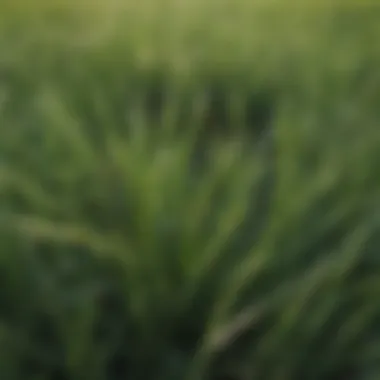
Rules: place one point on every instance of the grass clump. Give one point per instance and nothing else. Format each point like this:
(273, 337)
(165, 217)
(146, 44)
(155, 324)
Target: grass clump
(189, 190)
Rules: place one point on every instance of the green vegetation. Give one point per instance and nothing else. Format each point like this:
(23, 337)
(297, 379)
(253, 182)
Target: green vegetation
(189, 190)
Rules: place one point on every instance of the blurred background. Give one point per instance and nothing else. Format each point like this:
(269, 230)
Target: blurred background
(189, 190)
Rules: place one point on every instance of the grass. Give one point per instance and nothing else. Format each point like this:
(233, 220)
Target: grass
(189, 190)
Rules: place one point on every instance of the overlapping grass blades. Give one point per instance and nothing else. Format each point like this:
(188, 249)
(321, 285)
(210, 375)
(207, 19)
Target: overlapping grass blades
(189, 190)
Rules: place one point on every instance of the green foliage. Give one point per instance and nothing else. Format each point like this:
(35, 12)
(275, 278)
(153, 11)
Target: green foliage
(189, 190)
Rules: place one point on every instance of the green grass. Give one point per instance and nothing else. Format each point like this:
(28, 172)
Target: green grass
(189, 190)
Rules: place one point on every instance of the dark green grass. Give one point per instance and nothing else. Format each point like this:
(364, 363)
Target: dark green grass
(189, 191)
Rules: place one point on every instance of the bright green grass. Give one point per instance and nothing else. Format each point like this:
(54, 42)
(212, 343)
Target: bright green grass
(146, 231)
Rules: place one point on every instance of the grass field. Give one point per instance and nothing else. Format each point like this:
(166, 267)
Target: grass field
(189, 190)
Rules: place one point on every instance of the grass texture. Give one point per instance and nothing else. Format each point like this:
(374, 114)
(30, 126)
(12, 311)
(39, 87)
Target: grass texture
(189, 190)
